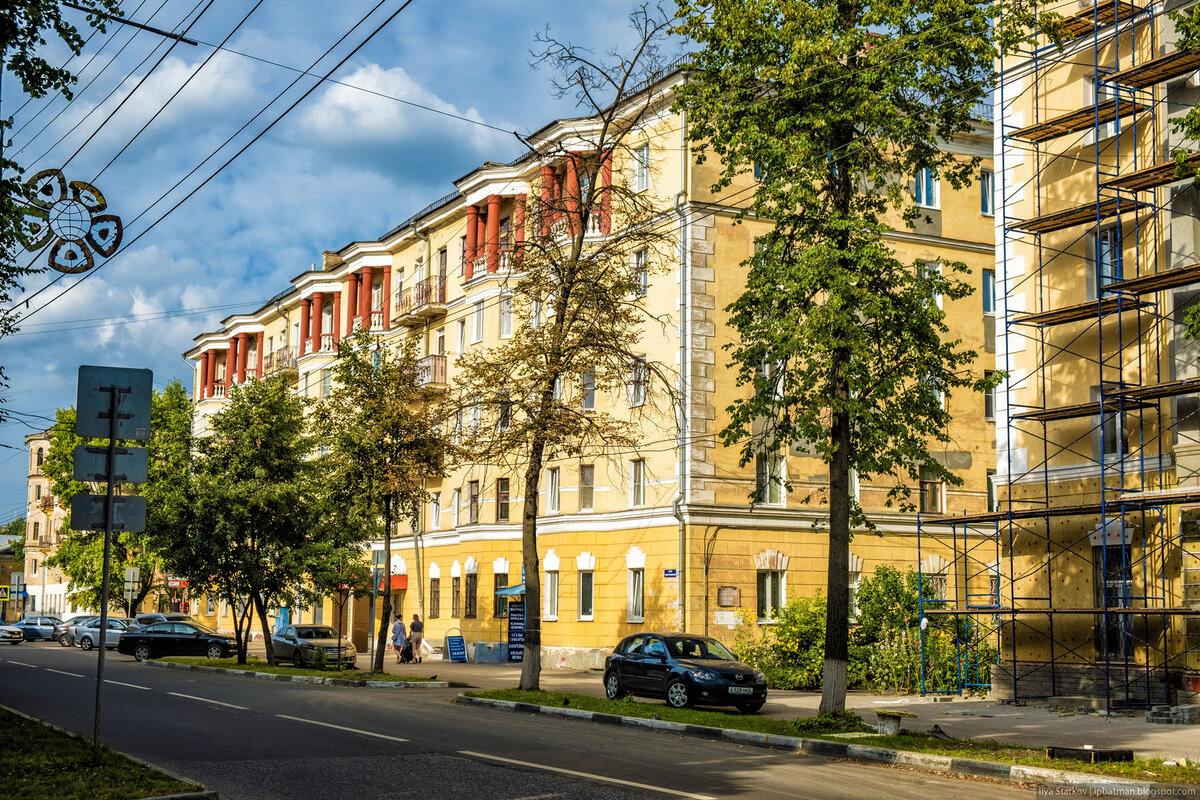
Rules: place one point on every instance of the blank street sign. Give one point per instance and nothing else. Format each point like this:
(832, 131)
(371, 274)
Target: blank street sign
(94, 401)
(87, 513)
(130, 464)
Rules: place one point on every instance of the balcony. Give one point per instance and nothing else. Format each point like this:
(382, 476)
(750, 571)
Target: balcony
(376, 320)
(327, 343)
(423, 300)
(283, 358)
(47, 503)
(431, 372)
(218, 389)
(251, 373)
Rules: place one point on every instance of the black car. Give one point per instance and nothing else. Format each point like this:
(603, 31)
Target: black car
(683, 669)
(175, 639)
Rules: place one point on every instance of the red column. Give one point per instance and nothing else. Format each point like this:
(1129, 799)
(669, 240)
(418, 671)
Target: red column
(493, 233)
(518, 228)
(387, 296)
(572, 192)
(547, 199)
(305, 324)
(364, 296)
(243, 354)
(606, 198)
(231, 363)
(337, 318)
(472, 241)
(261, 344)
(203, 380)
(318, 318)
(481, 235)
(351, 300)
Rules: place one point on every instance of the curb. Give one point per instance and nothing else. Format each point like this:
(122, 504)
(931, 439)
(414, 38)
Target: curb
(270, 676)
(200, 794)
(949, 765)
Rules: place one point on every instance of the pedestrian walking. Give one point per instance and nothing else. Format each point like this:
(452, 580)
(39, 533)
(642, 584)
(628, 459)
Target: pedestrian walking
(398, 636)
(416, 631)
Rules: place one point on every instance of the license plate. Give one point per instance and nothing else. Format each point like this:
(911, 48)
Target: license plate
(741, 690)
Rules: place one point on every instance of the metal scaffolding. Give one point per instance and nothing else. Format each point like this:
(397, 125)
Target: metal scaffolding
(1087, 575)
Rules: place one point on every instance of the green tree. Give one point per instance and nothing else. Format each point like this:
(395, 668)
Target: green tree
(16, 532)
(378, 427)
(246, 528)
(836, 104)
(81, 554)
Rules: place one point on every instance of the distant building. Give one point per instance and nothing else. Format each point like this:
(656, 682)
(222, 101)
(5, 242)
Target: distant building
(46, 587)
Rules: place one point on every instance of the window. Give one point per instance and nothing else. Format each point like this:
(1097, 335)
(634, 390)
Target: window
(1112, 432)
(456, 499)
(462, 336)
(455, 597)
(37, 492)
(637, 382)
(326, 382)
(505, 317)
(989, 397)
(435, 596)
(505, 234)
(37, 529)
(991, 490)
(435, 511)
(587, 390)
(477, 329)
(989, 291)
(1108, 256)
(33, 564)
(462, 262)
(1113, 579)
(987, 187)
(1091, 96)
(502, 500)
(931, 491)
(470, 598)
(587, 486)
(932, 271)
(41, 456)
(550, 595)
(641, 273)
(210, 606)
(318, 609)
(637, 482)
(926, 191)
(439, 342)
(758, 172)
(936, 585)
(768, 478)
(473, 502)
(556, 390)
(586, 598)
(641, 168)
(852, 584)
(770, 593)
(637, 595)
(499, 603)
(552, 490)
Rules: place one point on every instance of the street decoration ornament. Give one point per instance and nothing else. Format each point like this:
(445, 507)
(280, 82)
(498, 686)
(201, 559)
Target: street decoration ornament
(69, 215)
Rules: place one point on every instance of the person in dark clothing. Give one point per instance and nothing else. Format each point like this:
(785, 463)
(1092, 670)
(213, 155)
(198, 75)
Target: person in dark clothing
(416, 630)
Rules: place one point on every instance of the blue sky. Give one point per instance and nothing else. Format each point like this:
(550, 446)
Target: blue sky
(344, 165)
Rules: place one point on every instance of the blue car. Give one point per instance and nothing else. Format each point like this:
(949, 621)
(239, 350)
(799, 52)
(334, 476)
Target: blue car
(38, 627)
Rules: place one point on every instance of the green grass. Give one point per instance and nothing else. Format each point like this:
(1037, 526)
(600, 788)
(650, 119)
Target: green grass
(258, 665)
(1151, 769)
(38, 762)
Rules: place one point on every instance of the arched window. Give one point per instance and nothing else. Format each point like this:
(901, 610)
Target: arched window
(41, 456)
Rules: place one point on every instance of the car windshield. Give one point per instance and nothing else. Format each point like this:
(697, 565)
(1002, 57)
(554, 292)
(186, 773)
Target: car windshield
(202, 628)
(696, 647)
(320, 632)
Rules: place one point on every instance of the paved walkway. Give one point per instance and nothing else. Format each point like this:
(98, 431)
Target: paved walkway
(1031, 725)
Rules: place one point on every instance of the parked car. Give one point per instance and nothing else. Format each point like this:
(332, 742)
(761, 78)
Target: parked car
(300, 644)
(142, 620)
(175, 639)
(683, 669)
(88, 634)
(12, 634)
(38, 627)
(65, 633)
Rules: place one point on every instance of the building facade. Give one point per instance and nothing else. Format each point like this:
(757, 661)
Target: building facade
(46, 586)
(665, 536)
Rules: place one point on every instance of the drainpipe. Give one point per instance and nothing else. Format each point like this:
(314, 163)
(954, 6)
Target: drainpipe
(684, 362)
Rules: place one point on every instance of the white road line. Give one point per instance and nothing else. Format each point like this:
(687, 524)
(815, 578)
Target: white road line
(60, 672)
(130, 685)
(588, 775)
(343, 728)
(207, 700)
(23, 664)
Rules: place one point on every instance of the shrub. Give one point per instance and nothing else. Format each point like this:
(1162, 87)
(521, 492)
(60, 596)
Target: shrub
(832, 722)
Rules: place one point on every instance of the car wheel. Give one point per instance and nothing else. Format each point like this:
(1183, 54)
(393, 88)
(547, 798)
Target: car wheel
(612, 686)
(678, 694)
(63, 641)
(18, 641)
(141, 652)
(751, 708)
(215, 651)
(86, 643)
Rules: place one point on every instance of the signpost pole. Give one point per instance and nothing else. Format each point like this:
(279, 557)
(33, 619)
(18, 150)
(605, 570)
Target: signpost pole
(114, 407)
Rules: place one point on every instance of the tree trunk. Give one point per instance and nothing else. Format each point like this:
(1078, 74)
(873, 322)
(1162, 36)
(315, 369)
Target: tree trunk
(837, 616)
(531, 664)
(260, 608)
(239, 629)
(385, 612)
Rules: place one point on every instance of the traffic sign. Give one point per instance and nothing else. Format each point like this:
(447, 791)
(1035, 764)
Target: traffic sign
(93, 405)
(3, 592)
(130, 464)
(132, 574)
(87, 513)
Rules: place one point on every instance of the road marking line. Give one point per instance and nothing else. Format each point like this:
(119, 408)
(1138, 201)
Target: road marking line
(60, 672)
(207, 700)
(130, 685)
(343, 728)
(23, 664)
(588, 775)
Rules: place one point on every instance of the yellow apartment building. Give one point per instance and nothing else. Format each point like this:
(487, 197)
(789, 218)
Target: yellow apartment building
(1097, 454)
(46, 586)
(666, 536)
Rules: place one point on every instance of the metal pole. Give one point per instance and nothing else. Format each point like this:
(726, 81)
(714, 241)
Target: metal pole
(113, 406)
(371, 616)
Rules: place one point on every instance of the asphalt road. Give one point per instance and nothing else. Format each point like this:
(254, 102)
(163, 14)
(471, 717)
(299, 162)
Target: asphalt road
(251, 740)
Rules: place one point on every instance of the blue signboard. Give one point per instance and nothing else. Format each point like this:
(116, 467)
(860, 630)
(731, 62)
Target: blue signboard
(457, 648)
(516, 631)
(670, 573)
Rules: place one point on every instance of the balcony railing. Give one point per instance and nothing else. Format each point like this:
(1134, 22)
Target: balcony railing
(251, 373)
(431, 371)
(48, 503)
(218, 389)
(425, 298)
(283, 358)
(376, 320)
(327, 343)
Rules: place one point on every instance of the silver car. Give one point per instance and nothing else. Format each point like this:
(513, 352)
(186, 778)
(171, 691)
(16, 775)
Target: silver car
(87, 635)
(300, 644)
(11, 634)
